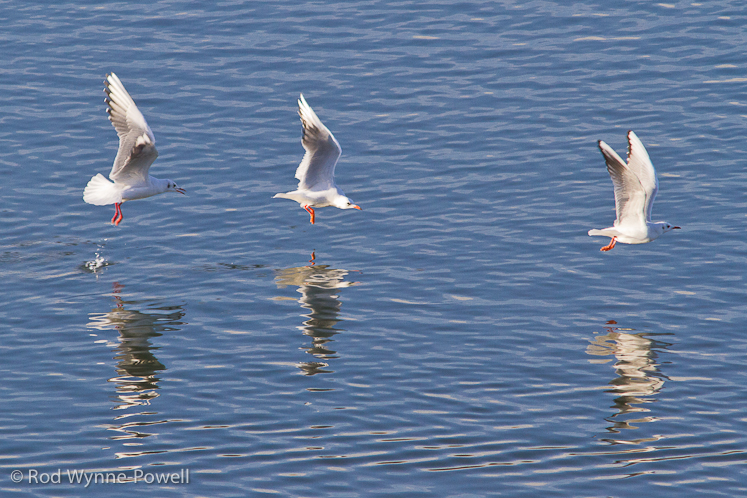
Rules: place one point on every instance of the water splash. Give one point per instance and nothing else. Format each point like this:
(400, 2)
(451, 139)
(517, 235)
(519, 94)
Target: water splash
(99, 262)
(96, 264)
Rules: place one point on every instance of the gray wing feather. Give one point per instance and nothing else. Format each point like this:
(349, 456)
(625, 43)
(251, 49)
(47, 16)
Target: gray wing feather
(629, 194)
(317, 169)
(640, 164)
(137, 145)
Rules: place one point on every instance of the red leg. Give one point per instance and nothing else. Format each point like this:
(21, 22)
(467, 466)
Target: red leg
(310, 210)
(610, 246)
(313, 257)
(117, 213)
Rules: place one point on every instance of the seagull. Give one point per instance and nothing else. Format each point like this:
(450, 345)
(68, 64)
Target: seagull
(316, 173)
(137, 151)
(635, 190)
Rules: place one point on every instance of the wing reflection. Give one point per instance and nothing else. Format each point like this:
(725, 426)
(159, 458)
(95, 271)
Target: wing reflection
(137, 367)
(638, 377)
(319, 287)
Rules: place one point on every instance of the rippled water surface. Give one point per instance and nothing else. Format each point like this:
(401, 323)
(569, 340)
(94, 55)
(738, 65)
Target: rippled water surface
(460, 336)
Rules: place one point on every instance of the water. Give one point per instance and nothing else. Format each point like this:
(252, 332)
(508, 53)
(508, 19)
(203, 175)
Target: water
(461, 336)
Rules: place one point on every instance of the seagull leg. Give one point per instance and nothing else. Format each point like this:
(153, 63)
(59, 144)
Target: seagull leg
(117, 213)
(310, 210)
(121, 216)
(313, 257)
(610, 246)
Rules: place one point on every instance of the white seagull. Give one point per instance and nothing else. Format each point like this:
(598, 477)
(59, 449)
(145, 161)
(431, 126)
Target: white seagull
(137, 151)
(635, 190)
(316, 173)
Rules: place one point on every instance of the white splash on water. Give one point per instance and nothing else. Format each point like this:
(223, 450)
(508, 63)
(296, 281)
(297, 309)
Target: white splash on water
(99, 261)
(96, 264)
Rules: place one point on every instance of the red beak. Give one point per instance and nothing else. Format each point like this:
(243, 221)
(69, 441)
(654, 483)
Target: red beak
(676, 228)
(357, 207)
(180, 190)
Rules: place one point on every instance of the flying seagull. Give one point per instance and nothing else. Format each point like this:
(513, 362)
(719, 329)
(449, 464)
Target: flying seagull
(316, 173)
(137, 151)
(635, 189)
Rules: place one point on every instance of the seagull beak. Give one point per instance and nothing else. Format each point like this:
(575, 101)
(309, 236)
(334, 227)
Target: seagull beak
(676, 228)
(357, 207)
(180, 190)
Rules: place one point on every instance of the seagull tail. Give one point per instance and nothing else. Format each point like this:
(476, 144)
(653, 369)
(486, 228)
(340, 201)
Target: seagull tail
(602, 233)
(289, 195)
(101, 191)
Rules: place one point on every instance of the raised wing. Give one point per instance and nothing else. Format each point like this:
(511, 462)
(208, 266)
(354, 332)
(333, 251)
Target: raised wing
(630, 198)
(317, 169)
(137, 146)
(640, 164)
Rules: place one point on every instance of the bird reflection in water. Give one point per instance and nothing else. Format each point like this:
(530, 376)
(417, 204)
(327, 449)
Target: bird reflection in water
(638, 377)
(319, 287)
(137, 367)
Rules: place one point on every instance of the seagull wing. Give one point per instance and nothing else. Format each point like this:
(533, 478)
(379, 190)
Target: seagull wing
(640, 164)
(630, 198)
(317, 169)
(137, 146)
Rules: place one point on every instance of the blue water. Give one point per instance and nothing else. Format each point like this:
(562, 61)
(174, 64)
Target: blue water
(460, 336)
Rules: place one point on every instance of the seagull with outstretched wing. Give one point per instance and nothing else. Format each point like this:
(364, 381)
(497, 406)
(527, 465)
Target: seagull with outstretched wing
(316, 173)
(635, 190)
(137, 151)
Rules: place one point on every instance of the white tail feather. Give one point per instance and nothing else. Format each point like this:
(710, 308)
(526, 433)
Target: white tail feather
(101, 191)
(605, 232)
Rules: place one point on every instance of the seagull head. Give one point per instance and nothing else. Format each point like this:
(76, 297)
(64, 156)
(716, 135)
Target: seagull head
(343, 202)
(664, 227)
(171, 186)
